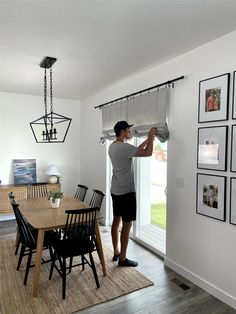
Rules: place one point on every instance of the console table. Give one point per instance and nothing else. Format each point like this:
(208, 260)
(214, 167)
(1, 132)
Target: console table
(20, 192)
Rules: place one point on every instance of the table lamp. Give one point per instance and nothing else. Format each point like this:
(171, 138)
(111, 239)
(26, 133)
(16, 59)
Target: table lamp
(53, 173)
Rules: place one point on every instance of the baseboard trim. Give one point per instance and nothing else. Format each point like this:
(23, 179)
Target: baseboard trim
(202, 283)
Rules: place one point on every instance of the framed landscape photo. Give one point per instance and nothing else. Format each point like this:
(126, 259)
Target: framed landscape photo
(213, 98)
(233, 149)
(234, 97)
(211, 196)
(232, 215)
(24, 171)
(212, 148)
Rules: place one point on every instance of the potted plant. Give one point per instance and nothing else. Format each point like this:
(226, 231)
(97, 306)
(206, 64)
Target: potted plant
(55, 197)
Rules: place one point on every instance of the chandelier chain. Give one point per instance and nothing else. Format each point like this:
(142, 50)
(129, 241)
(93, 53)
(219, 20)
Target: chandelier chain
(45, 90)
(51, 90)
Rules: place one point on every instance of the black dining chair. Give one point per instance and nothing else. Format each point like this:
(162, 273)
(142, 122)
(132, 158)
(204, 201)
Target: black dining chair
(96, 199)
(78, 240)
(81, 192)
(28, 238)
(12, 201)
(36, 190)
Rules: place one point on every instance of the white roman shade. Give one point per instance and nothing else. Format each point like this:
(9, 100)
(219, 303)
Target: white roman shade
(144, 111)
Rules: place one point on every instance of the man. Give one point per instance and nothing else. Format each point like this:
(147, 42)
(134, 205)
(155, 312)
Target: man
(122, 186)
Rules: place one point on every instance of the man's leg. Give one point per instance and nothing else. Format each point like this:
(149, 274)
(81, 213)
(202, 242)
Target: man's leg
(115, 234)
(124, 238)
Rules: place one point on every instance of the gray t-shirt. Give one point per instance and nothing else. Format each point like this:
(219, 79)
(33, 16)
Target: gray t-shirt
(121, 158)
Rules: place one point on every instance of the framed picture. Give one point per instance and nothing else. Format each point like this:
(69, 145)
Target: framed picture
(234, 97)
(232, 215)
(212, 148)
(233, 149)
(211, 192)
(24, 171)
(213, 98)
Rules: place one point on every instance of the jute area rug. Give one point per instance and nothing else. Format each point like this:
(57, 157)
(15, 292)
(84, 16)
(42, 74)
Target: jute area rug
(81, 291)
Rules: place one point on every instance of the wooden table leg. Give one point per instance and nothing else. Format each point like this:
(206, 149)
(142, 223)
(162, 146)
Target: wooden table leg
(100, 249)
(38, 261)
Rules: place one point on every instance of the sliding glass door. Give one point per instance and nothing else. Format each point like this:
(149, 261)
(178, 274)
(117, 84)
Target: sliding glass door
(150, 178)
(151, 173)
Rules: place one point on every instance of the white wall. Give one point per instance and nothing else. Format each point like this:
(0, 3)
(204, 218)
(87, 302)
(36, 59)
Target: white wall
(201, 248)
(93, 155)
(17, 141)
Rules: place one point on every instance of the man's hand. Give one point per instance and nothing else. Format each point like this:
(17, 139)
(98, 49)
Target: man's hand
(152, 132)
(147, 151)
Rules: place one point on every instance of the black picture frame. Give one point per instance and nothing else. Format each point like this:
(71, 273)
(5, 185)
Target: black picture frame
(232, 211)
(212, 145)
(233, 149)
(234, 97)
(213, 101)
(211, 196)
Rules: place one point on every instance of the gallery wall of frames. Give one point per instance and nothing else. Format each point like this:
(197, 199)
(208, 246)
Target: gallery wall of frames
(213, 147)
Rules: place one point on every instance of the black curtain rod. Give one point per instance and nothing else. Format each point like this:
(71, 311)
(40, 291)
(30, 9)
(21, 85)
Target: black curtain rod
(142, 91)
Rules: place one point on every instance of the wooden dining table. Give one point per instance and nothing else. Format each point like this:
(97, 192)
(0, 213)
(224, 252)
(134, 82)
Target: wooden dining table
(41, 216)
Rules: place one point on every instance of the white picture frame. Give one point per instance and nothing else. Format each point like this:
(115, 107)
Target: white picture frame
(212, 148)
(211, 196)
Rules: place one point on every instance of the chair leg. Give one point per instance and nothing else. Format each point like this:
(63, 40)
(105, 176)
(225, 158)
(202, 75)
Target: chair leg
(64, 278)
(28, 267)
(50, 252)
(94, 269)
(22, 251)
(52, 265)
(71, 262)
(82, 257)
(17, 246)
(17, 242)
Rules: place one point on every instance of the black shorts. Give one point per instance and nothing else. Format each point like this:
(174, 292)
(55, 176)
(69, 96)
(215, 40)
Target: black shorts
(125, 206)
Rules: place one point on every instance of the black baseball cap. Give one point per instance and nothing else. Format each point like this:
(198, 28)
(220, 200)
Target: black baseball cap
(121, 125)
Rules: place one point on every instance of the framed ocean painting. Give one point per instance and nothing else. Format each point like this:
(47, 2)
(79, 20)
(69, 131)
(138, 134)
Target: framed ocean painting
(24, 171)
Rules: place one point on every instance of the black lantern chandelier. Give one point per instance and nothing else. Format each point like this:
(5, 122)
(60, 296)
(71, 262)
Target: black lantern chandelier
(52, 127)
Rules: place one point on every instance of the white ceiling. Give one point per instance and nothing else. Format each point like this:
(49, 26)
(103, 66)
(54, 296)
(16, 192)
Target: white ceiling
(98, 42)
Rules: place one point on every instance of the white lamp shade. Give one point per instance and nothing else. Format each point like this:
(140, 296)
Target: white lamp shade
(53, 171)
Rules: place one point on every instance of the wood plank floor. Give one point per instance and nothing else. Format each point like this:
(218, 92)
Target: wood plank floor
(165, 297)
